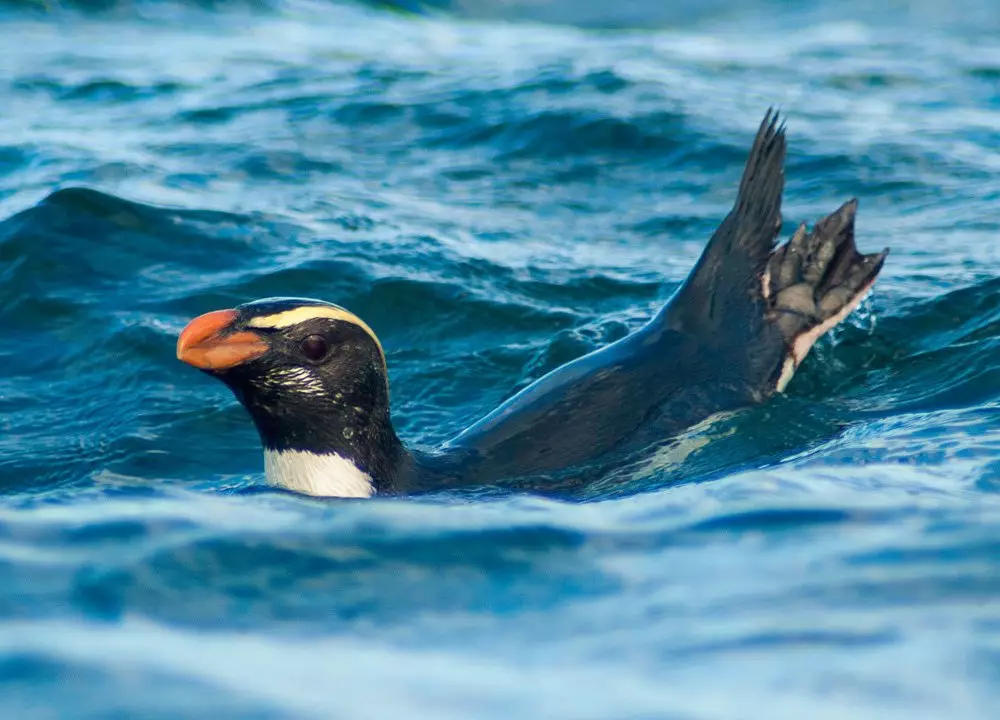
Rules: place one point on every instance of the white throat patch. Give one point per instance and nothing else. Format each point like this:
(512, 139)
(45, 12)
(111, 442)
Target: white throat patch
(314, 474)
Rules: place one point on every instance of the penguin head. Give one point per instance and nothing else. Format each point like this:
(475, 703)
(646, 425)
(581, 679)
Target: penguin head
(311, 374)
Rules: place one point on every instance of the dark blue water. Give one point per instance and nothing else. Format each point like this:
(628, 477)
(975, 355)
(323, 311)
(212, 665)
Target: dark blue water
(494, 198)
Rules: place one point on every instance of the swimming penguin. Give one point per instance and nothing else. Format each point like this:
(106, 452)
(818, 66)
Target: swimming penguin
(313, 375)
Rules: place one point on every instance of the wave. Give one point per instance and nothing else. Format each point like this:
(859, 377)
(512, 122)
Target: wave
(494, 199)
(642, 15)
(287, 558)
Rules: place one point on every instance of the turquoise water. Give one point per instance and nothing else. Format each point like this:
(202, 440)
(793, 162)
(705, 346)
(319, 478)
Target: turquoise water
(496, 188)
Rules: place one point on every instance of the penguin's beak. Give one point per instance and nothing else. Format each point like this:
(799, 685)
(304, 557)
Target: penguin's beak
(209, 342)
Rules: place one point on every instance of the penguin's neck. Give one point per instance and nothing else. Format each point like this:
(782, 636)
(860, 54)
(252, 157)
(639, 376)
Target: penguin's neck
(331, 465)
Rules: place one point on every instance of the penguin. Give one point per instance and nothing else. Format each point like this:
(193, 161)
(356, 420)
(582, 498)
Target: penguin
(312, 375)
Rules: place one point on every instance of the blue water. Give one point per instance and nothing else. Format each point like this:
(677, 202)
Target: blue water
(496, 188)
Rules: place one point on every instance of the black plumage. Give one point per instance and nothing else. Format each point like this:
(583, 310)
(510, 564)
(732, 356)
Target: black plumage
(729, 337)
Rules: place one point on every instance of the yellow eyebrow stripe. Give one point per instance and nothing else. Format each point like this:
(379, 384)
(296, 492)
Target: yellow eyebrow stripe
(287, 318)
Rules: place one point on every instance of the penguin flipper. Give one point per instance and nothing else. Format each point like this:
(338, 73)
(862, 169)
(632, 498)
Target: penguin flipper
(770, 305)
(723, 289)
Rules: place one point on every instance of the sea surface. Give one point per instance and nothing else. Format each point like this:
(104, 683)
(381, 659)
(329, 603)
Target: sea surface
(497, 188)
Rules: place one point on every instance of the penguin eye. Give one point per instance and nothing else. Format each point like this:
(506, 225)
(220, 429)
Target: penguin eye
(314, 347)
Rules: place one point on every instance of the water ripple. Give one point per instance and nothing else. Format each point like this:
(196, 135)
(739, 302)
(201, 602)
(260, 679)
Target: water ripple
(495, 191)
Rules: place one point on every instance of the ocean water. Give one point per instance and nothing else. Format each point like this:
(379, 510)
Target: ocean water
(495, 187)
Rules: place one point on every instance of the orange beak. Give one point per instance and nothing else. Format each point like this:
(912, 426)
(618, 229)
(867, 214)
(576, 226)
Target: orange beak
(203, 344)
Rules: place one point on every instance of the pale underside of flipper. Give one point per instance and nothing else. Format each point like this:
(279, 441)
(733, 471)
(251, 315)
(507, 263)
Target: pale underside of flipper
(814, 281)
